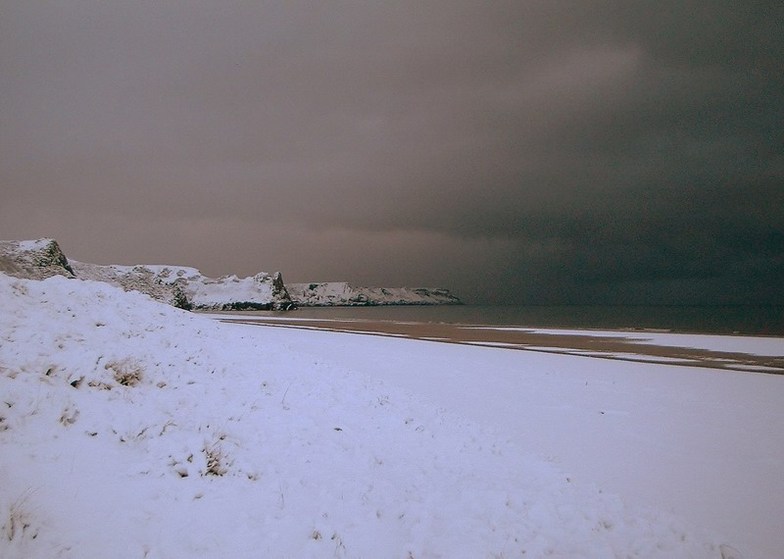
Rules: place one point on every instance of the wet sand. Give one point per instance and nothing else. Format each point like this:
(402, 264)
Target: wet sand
(594, 345)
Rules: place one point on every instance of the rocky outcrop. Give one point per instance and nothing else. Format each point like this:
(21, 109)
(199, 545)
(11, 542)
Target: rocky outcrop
(176, 285)
(39, 259)
(343, 294)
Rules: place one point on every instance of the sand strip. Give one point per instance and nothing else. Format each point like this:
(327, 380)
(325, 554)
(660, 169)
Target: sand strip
(589, 345)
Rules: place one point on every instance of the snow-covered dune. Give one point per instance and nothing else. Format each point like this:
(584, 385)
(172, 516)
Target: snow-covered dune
(129, 428)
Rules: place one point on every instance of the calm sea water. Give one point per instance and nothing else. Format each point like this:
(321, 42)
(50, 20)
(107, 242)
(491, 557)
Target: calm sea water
(742, 319)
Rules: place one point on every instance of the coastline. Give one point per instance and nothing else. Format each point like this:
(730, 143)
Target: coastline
(637, 346)
(742, 320)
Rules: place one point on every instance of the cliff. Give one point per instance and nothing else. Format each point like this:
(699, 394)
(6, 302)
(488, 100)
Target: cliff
(188, 288)
(176, 285)
(343, 294)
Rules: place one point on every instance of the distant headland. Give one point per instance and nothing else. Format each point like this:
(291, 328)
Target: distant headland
(188, 288)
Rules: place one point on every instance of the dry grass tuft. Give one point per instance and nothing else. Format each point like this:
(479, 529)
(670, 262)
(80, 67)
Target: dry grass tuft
(18, 524)
(127, 372)
(216, 461)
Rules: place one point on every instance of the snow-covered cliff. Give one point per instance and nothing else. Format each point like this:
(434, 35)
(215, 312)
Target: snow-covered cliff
(343, 294)
(177, 285)
(188, 288)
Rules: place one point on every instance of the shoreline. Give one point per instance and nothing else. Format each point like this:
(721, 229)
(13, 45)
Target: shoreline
(738, 320)
(623, 345)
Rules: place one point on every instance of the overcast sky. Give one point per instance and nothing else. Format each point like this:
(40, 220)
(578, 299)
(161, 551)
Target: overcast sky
(522, 151)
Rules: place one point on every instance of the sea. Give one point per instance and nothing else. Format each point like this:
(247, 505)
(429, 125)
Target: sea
(757, 320)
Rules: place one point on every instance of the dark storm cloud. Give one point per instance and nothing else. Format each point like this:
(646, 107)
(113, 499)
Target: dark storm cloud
(569, 150)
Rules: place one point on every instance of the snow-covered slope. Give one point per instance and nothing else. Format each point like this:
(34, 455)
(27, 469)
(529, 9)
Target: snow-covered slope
(343, 294)
(129, 428)
(180, 286)
(191, 288)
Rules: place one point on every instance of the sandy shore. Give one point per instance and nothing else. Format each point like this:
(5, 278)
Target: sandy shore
(587, 344)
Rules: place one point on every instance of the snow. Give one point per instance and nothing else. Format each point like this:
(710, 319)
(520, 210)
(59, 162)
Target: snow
(129, 428)
(705, 444)
(34, 244)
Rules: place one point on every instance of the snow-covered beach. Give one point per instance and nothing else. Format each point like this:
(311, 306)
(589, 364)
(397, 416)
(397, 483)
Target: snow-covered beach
(764, 354)
(132, 429)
